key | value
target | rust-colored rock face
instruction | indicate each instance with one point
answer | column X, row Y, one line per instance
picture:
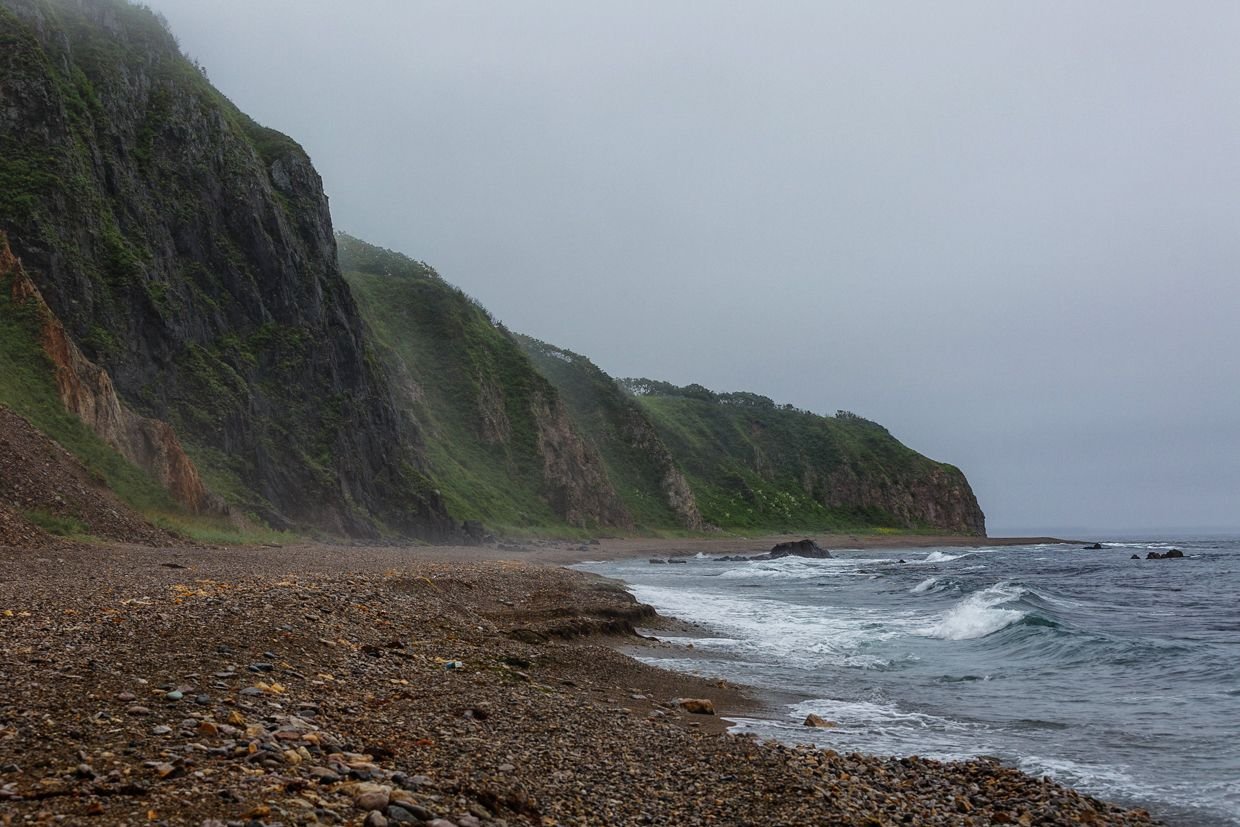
column 87, row 391
column 576, row 482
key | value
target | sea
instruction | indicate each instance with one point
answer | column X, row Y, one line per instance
column 1117, row 676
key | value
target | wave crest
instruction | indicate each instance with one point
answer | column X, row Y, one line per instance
column 978, row 615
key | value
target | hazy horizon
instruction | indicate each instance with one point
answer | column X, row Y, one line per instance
column 1006, row 233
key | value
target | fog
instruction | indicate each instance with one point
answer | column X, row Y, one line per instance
column 1008, row 232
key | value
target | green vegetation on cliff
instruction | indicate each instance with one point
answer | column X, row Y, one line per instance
column 189, row 252
column 640, row 465
column 28, row 387
column 757, row 465
column 500, row 444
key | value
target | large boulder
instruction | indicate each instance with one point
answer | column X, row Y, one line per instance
column 799, row 548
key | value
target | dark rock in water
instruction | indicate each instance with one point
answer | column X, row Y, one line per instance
column 1170, row 555
column 656, row 560
column 799, row 548
column 902, row 560
column 680, row 560
column 1094, row 547
column 1135, row 557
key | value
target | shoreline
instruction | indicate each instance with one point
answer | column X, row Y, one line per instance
column 302, row 685
column 571, row 552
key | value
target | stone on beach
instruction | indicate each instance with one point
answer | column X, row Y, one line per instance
column 818, row 721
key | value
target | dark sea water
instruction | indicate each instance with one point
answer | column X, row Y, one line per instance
column 1119, row 677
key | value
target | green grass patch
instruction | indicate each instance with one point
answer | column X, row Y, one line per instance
column 58, row 524
column 222, row 531
column 27, row 387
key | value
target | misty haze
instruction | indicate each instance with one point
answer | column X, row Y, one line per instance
column 480, row 414
column 1006, row 233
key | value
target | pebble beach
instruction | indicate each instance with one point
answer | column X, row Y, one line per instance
column 327, row 685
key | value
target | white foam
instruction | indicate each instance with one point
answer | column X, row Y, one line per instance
column 792, row 568
column 941, row 557
column 773, row 631
column 978, row 614
column 925, row 585
column 1097, row 776
column 876, row 727
column 867, row 715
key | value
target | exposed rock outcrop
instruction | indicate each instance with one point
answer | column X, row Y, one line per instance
column 795, row 548
column 756, row 464
column 189, row 253
column 941, row 498
column 86, row 391
column 624, row 436
column 577, row 484
column 799, row 548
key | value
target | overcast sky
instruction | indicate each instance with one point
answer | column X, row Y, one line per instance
column 1010, row 232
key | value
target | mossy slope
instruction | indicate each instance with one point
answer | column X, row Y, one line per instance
column 756, row 465
column 498, row 438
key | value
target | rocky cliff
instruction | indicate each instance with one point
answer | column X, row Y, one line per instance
column 189, row 252
column 502, row 445
column 87, row 392
column 757, row 465
column 642, row 468
column 183, row 297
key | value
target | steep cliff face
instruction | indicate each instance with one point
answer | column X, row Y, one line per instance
column 502, row 446
column 754, row 464
column 189, row 252
column 643, row 470
column 86, row 391
column 926, row 497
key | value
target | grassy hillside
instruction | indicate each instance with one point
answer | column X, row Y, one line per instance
column 486, row 415
column 640, row 465
column 755, row 465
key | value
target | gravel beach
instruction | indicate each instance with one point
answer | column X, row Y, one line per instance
column 333, row 685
